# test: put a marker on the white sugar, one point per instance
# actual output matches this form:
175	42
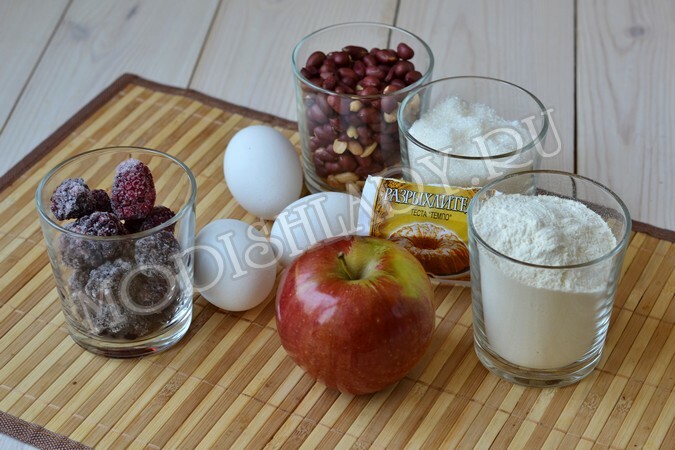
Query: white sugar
457	127
455	123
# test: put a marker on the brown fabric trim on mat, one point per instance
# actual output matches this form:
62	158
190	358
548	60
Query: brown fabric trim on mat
71	124
35	435
659	233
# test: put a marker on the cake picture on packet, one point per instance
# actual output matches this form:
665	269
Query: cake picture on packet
430	221
440	251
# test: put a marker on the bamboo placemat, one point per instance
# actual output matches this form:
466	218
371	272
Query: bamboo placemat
229	383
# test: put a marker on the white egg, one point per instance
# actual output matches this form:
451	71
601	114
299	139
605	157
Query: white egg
235	267
262	170
312	219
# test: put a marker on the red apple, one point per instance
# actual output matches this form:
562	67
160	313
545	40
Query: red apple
355	312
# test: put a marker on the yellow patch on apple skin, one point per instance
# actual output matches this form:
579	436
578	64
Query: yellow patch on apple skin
404	268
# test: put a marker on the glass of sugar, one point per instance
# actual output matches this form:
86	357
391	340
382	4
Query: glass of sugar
546	251
466	131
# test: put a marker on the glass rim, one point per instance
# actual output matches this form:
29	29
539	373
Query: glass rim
620	245
141	234
425	76
532	143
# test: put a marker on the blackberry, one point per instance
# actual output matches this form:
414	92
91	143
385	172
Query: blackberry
158	216
104	284
158	249
78	280
99	224
80	253
133	192
133	226
153	303
72	199
94	295
153	293
101	200
111	321
110	307
106	319
76	283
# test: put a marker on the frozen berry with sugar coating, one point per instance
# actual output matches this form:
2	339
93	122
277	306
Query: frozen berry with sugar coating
105	282
101	200
72	199
82	252
121	303
78	279
133	192
99	223
133	226
153	293
158	296
102	318
158	216
109	320
159	250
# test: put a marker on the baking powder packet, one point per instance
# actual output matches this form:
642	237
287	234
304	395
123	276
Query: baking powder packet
430	221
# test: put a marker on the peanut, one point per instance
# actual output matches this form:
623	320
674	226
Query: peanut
390	117
347	162
351	138
355	51
346	177
404	51
369	150
339	147
316	59
352	133
355	148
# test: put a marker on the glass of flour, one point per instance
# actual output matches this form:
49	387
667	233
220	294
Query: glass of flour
546	251
467	131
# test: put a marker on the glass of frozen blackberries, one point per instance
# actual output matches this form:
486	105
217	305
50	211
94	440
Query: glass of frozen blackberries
119	227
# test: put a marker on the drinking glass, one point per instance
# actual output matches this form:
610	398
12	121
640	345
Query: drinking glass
346	133
424	161
129	295
529	329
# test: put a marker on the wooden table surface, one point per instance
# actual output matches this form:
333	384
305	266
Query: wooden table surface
604	67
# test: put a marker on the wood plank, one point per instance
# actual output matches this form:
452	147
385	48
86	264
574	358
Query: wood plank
246	59
25	29
9	443
527	42
94	44
626	103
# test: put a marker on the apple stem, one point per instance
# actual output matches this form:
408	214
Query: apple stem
341	257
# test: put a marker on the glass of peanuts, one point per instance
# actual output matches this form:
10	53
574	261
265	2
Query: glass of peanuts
350	80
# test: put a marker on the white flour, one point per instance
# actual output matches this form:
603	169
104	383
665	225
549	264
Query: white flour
457	127
543	318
